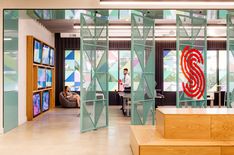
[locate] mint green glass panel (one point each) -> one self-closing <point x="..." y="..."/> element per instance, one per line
<point x="142" y="70"/>
<point x="169" y="14"/>
<point x="113" y="14"/>
<point x="230" y="59"/>
<point x="10" y="72"/>
<point x="94" y="72"/>
<point x="124" y="14"/>
<point x="212" y="71"/>
<point x="192" y="32"/>
<point x="223" y="70"/>
<point x="113" y="70"/>
<point x="222" y="14"/>
<point x="124" y="62"/>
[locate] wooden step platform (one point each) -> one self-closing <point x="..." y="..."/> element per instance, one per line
<point x="145" y="140"/>
<point x="196" y="123"/>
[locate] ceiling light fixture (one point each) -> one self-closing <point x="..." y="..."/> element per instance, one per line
<point x="76" y="26"/>
<point x="7" y="39"/>
<point x="162" y="39"/>
<point x="168" y="5"/>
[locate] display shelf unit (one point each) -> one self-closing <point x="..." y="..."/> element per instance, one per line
<point x="32" y="78"/>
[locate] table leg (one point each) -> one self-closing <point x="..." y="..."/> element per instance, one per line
<point x="211" y="103"/>
<point x="220" y="99"/>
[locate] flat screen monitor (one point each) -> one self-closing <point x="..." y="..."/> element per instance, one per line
<point x="45" y="100"/>
<point x="51" y="56"/>
<point x="37" y="52"/>
<point x="46" y="55"/>
<point x="41" y="82"/>
<point x="36" y="104"/>
<point x="48" y="78"/>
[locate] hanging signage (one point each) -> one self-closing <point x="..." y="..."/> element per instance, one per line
<point x="191" y="62"/>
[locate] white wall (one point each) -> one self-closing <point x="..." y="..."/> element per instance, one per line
<point x="28" y="27"/>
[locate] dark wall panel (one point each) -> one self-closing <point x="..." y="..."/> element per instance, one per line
<point x="61" y="44"/>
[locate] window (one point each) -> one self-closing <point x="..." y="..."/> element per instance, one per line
<point x="113" y="14"/>
<point x="211" y="70"/>
<point x="113" y="70"/>
<point x="169" y="14"/>
<point x="169" y="70"/>
<point x="118" y="60"/>
<point x="223" y="69"/>
<point x="124" y="62"/>
<point x="125" y="14"/>
<point x="72" y="69"/>
<point x="216" y="70"/>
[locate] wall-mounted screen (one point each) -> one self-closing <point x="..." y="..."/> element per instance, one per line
<point x="36" y="104"/>
<point x="51" y="56"/>
<point x="45" y="100"/>
<point x="41" y="82"/>
<point x="37" y="52"/>
<point x="48" y="77"/>
<point x="46" y="55"/>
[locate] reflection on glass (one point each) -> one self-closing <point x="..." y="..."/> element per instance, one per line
<point x="125" y="15"/>
<point x="169" y="70"/>
<point x="113" y="14"/>
<point x="113" y="70"/>
<point x="169" y="14"/>
<point x="223" y="69"/>
<point x="125" y="62"/>
<point x="211" y="70"/>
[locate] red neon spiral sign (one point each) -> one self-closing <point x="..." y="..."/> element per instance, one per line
<point x="189" y="61"/>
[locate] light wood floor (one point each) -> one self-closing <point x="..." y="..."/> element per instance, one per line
<point x="57" y="133"/>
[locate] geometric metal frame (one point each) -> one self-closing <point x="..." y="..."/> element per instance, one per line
<point x="230" y="56"/>
<point x="191" y="37"/>
<point x="142" y="70"/>
<point x="94" y="72"/>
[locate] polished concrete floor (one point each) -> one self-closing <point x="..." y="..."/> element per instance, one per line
<point x="57" y="132"/>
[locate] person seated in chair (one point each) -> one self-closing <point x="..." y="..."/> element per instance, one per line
<point x="71" y="96"/>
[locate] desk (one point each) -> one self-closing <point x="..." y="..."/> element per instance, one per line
<point x="126" y="102"/>
<point x="211" y="99"/>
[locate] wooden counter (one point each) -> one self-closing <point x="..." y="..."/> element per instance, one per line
<point x="145" y="140"/>
<point x="195" y="123"/>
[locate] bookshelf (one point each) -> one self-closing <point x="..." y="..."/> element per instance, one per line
<point x="34" y="85"/>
